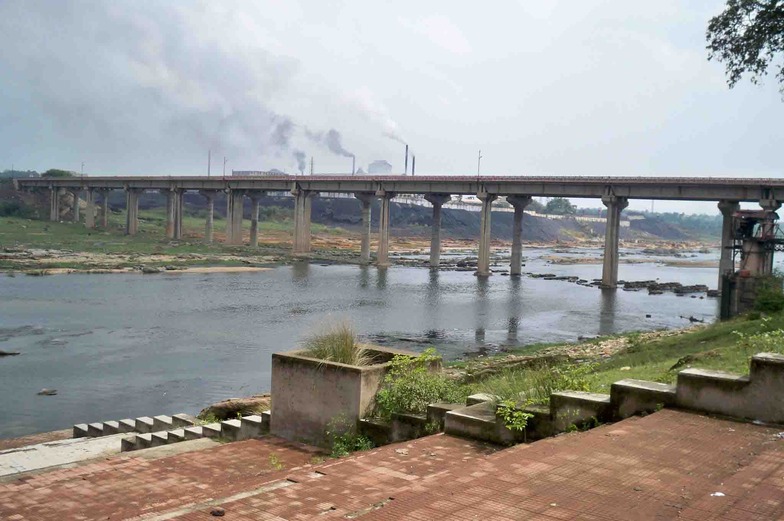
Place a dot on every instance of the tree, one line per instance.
(747, 36)
(56, 172)
(560, 206)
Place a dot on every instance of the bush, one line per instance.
(343, 438)
(770, 293)
(410, 386)
(15, 209)
(338, 343)
(535, 385)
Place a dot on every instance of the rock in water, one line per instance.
(229, 409)
(47, 392)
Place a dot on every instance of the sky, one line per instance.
(589, 87)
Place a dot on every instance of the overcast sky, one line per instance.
(561, 87)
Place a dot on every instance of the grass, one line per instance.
(337, 343)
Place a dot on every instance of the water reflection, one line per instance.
(381, 278)
(482, 290)
(300, 272)
(515, 309)
(364, 276)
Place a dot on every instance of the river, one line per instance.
(127, 345)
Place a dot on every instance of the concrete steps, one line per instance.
(142, 425)
(231, 430)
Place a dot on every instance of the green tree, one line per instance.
(56, 172)
(747, 36)
(560, 206)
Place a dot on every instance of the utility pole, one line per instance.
(82, 169)
(478, 163)
(209, 161)
(224, 165)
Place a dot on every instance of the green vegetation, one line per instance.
(560, 206)
(535, 385)
(56, 172)
(344, 439)
(770, 293)
(410, 386)
(337, 343)
(515, 418)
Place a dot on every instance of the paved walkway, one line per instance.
(669, 465)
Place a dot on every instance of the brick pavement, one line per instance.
(663, 466)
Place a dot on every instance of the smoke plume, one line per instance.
(331, 139)
(300, 156)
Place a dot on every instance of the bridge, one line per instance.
(614, 193)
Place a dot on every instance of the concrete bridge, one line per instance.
(614, 192)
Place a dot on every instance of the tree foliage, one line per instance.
(560, 206)
(747, 36)
(56, 172)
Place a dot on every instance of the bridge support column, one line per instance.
(254, 218)
(366, 199)
(170, 213)
(131, 211)
(615, 206)
(54, 204)
(483, 265)
(179, 201)
(235, 207)
(209, 223)
(727, 208)
(518, 202)
(302, 205)
(382, 254)
(75, 206)
(89, 215)
(437, 200)
(769, 229)
(105, 208)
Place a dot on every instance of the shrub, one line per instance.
(15, 209)
(337, 343)
(770, 293)
(535, 385)
(409, 386)
(343, 438)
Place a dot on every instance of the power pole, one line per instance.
(209, 161)
(478, 163)
(224, 165)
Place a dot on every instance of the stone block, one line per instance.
(479, 398)
(158, 439)
(161, 423)
(436, 412)
(143, 441)
(540, 425)
(126, 425)
(80, 430)
(230, 429)
(630, 397)
(193, 433)
(111, 427)
(212, 430)
(251, 427)
(95, 430)
(128, 444)
(378, 432)
(144, 424)
(183, 420)
(266, 420)
(407, 427)
(578, 408)
(479, 422)
(176, 435)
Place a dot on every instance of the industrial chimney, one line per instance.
(413, 165)
(406, 167)
(353, 165)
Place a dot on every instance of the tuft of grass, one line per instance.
(535, 385)
(337, 343)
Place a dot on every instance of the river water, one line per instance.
(117, 346)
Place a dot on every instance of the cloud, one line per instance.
(441, 31)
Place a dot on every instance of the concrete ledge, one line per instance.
(161, 423)
(479, 422)
(111, 427)
(126, 425)
(212, 430)
(183, 420)
(630, 397)
(230, 429)
(479, 398)
(193, 433)
(144, 424)
(176, 436)
(80, 430)
(578, 408)
(128, 444)
(95, 430)
(540, 425)
(266, 420)
(436, 413)
(158, 439)
(407, 426)
(378, 432)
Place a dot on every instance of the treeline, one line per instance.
(52, 172)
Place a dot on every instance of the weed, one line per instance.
(337, 343)
(515, 418)
(274, 462)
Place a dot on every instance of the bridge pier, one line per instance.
(170, 214)
(209, 223)
(54, 204)
(366, 199)
(105, 208)
(727, 208)
(75, 206)
(518, 202)
(132, 211)
(615, 206)
(437, 200)
(302, 206)
(235, 207)
(89, 215)
(254, 218)
(483, 265)
(382, 254)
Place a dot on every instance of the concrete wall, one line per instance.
(308, 395)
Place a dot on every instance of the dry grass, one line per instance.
(337, 342)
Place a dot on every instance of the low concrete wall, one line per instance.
(758, 396)
(309, 395)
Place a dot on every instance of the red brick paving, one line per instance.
(664, 466)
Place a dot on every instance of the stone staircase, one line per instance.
(238, 429)
(145, 424)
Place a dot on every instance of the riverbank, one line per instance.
(43, 247)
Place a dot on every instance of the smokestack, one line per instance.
(353, 164)
(413, 165)
(406, 168)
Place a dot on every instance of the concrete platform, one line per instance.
(667, 465)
